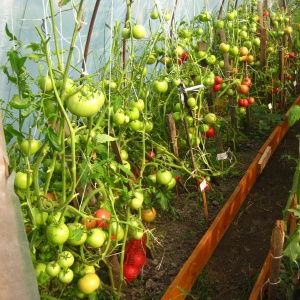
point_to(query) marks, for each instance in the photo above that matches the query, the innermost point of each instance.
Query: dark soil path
(232, 270)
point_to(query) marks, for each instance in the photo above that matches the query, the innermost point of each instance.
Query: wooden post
(277, 242)
(263, 36)
(173, 134)
(205, 208)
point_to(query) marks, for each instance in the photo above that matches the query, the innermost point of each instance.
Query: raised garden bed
(191, 269)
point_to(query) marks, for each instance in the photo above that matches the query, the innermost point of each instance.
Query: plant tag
(270, 106)
(203, 185)
(295, 83)
(264, 158)
(222, 156)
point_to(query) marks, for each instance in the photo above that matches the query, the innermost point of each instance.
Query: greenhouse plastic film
(18, 279)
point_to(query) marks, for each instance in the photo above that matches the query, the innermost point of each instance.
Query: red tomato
(151, 155)
(217, 87)
(138, 259)
(266, 13)
(210, 133)
(130, 272)
(218, 80)
(291, 55)
(251, 100)
(243, 102)
(104, 215)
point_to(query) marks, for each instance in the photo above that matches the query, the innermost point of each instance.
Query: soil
(233, 268)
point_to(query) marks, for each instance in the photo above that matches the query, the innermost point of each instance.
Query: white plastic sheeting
(23, 15)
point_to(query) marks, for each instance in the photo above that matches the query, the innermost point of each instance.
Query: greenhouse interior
(150, 149)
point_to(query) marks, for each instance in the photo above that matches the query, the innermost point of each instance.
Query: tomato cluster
(135, 258)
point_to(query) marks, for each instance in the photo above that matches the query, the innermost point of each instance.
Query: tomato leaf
(17, 62)
(125, 170)
(294, 115)
(11, 36)
(102, 138)
(162, 200)
(53, 139)
(10, 132)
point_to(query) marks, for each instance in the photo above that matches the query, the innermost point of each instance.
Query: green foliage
(294, 115)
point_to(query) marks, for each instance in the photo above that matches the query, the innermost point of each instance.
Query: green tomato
(164, 177)
(18, 103)
(154, 14)
(125, 33)
(30, 146)
(210, 118)
(171, 184)
(53, 268)
(161, 86)
(85, 105)
(166, 16)
(136, 203)
(133, 114)
(66, 276)
(189, 120)
(178, 51)
(124, 155)
(89, 283)
(126, 164)
(202, 54)
(40, 217)
(224, 48)
(22, 181)
(221, 64)
(208, 81)
(96, 238)
(192, 102)
(45, 84)
(57, 234)
(219, 24)
(203, 127)
(117, 230)
(139, 32)
(256, 41)
(151, 59)
(137, 234)
(119, 117)
(152, 178)
(77, 234)
(211, 59)
(39, 269)
(234, 51)
(65, 259)
(136, 125)
(177, 116)
(139, 104)
(148, 126)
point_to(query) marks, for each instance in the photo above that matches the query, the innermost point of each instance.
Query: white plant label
(203, 185)
(222, 156)
(270, 106)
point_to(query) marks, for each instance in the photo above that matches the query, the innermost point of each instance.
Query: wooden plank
(261, 279)
(193, 266)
